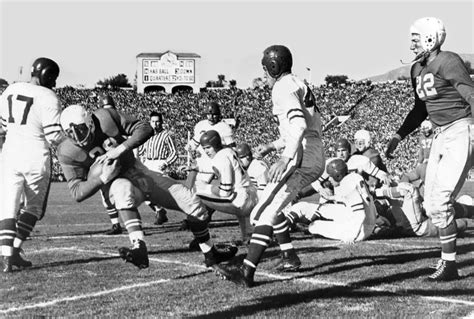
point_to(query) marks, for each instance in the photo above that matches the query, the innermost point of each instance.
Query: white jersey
(224, 130)
(30, 115)
(356, 163)
(230, 173)
(297, 115)
(258, 173)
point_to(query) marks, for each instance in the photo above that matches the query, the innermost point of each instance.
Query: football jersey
(445, 86)
(258, 173)
(425, 147)
(296, 113)
(109, 130)
(30, 115)
(229, 171)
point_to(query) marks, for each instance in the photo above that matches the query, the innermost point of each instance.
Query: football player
(29, 113)
(257, 169)
(426, 138)
(98, 156)
(363, 144)
(352, 216)
(443, 91)
(300, 163)
(232, 192)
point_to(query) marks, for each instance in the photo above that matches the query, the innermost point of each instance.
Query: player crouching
(97, 155)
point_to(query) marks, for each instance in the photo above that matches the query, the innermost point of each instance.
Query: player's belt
(441, 129)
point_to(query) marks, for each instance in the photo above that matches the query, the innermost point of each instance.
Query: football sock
(447, 237)
(24, 225)
(259, 241)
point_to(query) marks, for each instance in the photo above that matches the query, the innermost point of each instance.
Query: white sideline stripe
(85, 296)
(269, 275)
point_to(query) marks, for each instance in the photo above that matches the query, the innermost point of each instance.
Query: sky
(94, 40)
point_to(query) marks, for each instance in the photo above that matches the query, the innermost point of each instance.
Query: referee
(158, 153)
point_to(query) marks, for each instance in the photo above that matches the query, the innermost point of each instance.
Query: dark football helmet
(46, 70)
(337, 169)
(106, 101)
(277, 59)
(211, 138)
(214, 113)
(342, 143)
(243, 150)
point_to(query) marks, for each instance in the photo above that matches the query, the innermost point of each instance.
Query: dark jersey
(111, 128)
(443, 90)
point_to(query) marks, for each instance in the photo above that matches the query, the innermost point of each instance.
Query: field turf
(77, 273)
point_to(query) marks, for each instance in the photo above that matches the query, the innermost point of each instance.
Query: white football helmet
(431, 31)
(426, 127)
(362, 140)
(76, 124)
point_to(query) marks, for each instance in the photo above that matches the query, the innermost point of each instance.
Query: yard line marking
(174, 261)
(85, 296)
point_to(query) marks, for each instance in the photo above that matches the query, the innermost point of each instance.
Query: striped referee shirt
(159, 147)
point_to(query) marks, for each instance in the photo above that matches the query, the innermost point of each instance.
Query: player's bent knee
(124, 194)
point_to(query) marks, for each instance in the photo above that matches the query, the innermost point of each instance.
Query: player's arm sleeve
(80, 186)
(414, 118)
(172, 155)
(138, 131)
(456, 73)
(50, 120)
(297, 124)
(226, 179)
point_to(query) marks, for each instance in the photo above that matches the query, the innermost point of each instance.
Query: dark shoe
(115, 230)
(289, 261)
(160, 217)
(7, 264)
(137, 255)
(214, 256)
(242, 276)
(18, 261)
(446, 271)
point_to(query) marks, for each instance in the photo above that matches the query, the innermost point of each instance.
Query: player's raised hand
(391, 146)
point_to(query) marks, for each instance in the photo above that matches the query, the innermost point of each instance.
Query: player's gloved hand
(263, 150)
(392, 145)
(278, 169)
(110, 170)
(327, 193)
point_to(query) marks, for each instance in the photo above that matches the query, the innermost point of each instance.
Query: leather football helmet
(337, 169)
(277, 59)
(343, 143)
(214, 113)
(431, 31)
(362, 140)
(243, 150)
(46, 70)
(106, 101)
(426, 127)
(211, 138)
(77, 124)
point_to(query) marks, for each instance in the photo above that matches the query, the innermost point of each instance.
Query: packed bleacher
(381, 113)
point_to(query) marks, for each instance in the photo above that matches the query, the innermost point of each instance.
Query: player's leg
(113, 214)
(448, 166)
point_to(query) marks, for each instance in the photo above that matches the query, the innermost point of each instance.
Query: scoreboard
(168, 69)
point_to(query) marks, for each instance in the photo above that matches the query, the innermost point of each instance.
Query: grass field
(77, 273)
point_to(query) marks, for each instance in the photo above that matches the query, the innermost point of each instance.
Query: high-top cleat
(214, 256)
(289, 261)
(18, 261)
(6, 264)
(137, 255)
(115, 230)
(161, 217)
(446, 271)
(242, 276)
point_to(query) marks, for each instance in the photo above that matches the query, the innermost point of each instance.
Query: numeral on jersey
(425, 87)
(28, 102)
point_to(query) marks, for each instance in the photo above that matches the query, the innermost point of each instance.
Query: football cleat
(6, 264)
(137, 255)
(214, 256)
(161, 217)
(289, 261)
(18, 261)
(115, 230)
(446, 271)
(242, 276)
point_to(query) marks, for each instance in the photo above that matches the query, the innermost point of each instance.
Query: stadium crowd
(252, 108)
